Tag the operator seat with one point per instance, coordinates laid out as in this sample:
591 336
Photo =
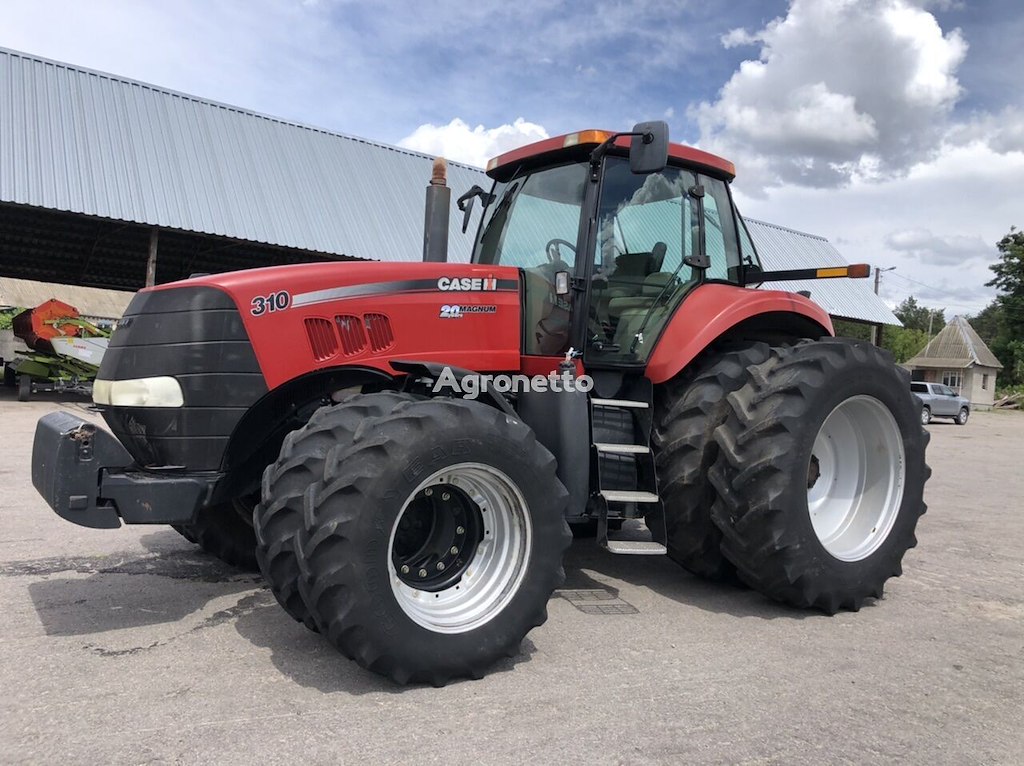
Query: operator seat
632 310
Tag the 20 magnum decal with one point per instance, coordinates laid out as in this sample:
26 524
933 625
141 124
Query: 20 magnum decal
457 312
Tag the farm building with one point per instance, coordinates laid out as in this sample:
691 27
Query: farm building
114 183
957 357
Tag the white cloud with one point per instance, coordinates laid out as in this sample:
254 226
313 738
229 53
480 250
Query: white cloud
473 146
952 208
840 90
737 38
945 250
1003 132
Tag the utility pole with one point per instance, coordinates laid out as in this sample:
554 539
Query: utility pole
878 276
876 330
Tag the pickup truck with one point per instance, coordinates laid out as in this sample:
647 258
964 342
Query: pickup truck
939 401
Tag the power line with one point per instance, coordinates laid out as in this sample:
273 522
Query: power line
922 284
942 291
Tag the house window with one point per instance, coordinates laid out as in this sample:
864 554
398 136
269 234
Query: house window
952 379
984 382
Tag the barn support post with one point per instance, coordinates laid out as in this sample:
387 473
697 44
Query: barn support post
154 237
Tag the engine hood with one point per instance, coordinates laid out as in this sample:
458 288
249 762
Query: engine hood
307 317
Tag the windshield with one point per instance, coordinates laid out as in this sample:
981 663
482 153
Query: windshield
532 213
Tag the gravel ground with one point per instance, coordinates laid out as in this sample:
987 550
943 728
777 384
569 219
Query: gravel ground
131 646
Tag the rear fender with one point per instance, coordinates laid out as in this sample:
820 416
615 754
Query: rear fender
715 311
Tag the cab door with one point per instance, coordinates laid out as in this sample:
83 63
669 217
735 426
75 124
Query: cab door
647 229
535 224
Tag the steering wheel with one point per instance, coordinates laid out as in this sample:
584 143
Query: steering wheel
551 249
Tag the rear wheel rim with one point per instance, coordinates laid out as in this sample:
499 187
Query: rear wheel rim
468 552
926 416
856 476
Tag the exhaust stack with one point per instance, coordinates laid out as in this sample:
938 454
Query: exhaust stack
435 224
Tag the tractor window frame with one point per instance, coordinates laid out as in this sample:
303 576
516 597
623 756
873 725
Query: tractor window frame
507 195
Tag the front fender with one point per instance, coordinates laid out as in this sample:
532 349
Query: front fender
711 310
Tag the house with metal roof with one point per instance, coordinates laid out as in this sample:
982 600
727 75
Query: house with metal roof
115 183
957 357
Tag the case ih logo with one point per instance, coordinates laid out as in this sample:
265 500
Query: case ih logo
467 284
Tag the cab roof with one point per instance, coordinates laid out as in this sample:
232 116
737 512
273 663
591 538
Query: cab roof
580 143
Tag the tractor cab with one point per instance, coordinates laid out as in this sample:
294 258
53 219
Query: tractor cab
611 234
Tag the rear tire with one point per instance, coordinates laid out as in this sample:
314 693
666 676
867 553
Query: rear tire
428 477
926 416
688 410
24 388
222 531
961 417
278 517
821 474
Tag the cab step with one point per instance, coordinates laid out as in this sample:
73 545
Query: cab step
636 547
627 403
622 449
628 496
624 477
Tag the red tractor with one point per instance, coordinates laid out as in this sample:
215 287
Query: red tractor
403 449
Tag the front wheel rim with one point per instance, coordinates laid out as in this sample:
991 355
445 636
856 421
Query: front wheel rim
856 478
472 576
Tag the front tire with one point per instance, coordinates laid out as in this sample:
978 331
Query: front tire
278 518
688 411
821 474
222 531
434 541
961 417
926 416
24 388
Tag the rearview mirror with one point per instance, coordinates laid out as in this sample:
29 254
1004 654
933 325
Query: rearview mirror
465 203
648 151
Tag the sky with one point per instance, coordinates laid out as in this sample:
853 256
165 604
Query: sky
895 128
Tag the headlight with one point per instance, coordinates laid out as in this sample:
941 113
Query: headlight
138 392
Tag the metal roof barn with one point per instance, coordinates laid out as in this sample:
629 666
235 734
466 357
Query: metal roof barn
76 140
781 248
91 163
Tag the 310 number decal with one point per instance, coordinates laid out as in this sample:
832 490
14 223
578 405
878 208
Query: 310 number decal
268 304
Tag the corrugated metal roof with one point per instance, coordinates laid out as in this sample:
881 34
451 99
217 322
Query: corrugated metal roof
956 345
91 302
76 140
782 248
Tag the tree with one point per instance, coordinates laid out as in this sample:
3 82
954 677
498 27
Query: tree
1008 311
917 317
988 322
6 316
902 342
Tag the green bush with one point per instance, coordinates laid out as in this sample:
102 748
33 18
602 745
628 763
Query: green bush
7 316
